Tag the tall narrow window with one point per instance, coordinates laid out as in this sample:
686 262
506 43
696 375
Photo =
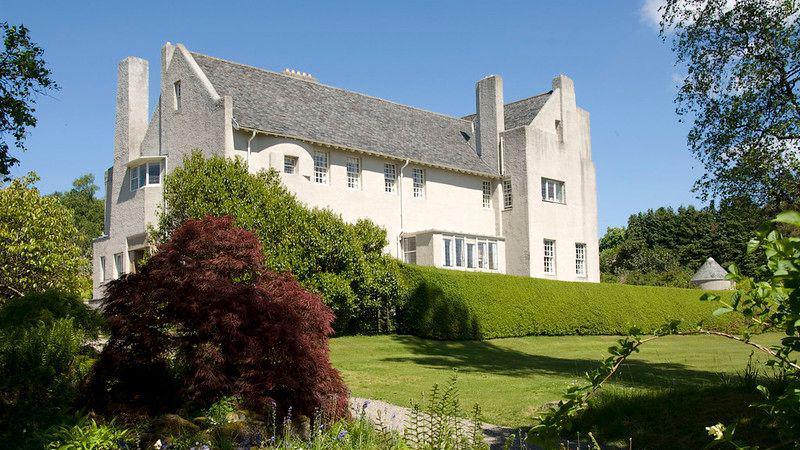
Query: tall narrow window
507 199
448 259
290 164
133 173
321 167
410 250
482 255
177 94
470 255
493 255
487 194
389 178
102 268
119 269
549 257
154 173
353 172
552 190
419 182
580 259
459 252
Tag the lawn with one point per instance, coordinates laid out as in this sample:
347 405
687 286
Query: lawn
511 378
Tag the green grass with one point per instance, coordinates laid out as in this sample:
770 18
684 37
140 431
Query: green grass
450 304
511 378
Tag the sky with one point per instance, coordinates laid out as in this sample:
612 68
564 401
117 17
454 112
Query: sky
420 53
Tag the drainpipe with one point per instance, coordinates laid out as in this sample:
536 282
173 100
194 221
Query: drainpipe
400 237
248 149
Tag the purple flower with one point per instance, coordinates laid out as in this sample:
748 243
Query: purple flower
341 435
366 403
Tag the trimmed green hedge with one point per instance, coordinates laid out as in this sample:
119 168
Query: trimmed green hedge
448 304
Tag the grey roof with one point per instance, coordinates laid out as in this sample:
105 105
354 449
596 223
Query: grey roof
295 107
710 270
520 112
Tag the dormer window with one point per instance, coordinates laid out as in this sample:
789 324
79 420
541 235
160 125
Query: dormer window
145 174
177 95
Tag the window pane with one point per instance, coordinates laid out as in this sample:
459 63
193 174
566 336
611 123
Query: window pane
419 182
487 194
447 261
493 255
154 173
102 268
471 256
482 255
118 268
389 177
410 250
142 175
134 176
460 252
353 172
289 164
507 199
580 259
321 167
549 256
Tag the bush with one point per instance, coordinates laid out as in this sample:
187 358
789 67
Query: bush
447 304
47 307
203 319
87 434
40 370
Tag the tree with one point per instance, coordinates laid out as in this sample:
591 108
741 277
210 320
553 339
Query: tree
88 210
342 262
23 73
742 64
204 319
39 244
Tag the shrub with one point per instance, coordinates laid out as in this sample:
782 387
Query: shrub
342 262
447 304
203 319
40 370
47 307
87 434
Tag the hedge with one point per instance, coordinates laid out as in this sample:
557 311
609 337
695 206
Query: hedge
448 304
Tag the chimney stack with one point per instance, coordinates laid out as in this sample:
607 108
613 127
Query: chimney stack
490 118
131 110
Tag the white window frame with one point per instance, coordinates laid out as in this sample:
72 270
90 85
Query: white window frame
487 194
389 178
119 265
176 94
470 247
508 198
580 259
102 269
140 175
549 260
321 167
553 191
493 255
447 256
409 245
459 251
418 176
481 255
353 172
290 162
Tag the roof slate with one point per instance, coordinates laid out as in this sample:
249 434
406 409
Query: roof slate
710 270
294 107
521 112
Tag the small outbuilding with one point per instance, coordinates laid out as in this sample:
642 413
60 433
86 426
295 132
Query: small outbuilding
711 277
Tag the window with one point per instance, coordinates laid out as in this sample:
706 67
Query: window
419 182
409 245
552 190
559 131
389 178
549 257
177 93
321 167
290 164
493 255
482 255
580 260
353 172
459 252
470 255
487 194
102 268
119 269
448 261
507 200
145 174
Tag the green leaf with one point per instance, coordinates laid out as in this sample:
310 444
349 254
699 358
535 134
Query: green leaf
721 311
788 217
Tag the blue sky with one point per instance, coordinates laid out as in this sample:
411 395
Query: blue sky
424 54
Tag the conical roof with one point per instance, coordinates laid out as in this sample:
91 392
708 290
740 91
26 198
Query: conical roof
710 270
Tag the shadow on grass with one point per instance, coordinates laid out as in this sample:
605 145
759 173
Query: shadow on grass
485 357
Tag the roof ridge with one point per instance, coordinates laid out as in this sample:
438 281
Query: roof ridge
317 82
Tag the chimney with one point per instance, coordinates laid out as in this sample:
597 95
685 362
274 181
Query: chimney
166 58
566 92
490 118
131 120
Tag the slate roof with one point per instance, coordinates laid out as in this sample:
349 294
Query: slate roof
293 107
710 270
520 112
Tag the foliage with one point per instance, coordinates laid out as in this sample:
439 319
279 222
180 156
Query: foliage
47 307
88 211
23 74
742 62
446 304
203 319
87 434
40 370
342 262
39 247
664 246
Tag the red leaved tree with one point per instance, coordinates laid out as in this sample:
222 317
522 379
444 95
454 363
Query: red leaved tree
203 319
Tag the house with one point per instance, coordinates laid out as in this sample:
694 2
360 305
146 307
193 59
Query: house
712 277
508 189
